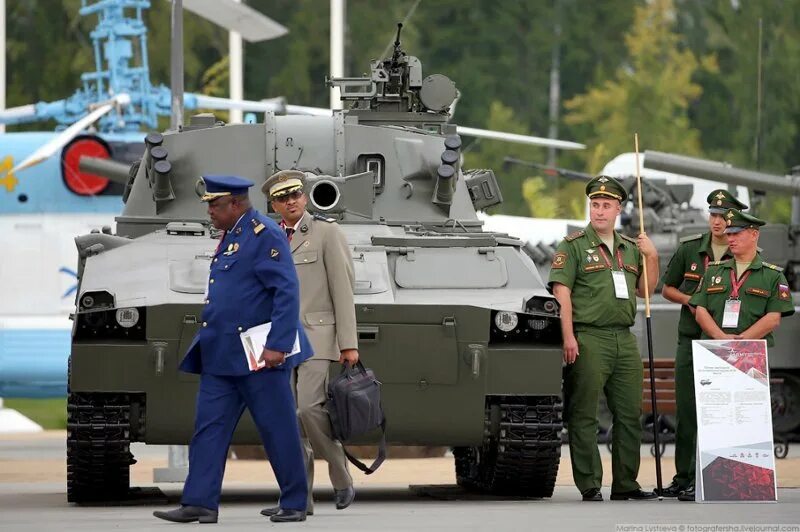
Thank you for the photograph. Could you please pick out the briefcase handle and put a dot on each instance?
(346, 367)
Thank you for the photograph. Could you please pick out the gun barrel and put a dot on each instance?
(112, 170)
(721, 172)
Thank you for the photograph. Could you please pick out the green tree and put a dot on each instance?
(650, 93)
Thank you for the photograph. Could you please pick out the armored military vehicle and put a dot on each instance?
(456, 322)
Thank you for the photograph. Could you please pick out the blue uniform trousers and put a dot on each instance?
(220, 403)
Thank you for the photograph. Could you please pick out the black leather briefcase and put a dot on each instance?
(354, 407)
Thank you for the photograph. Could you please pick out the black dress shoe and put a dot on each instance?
(188, 514)
(344, 498)
(269, 512)
(687, 495)
(673, 490)
(592, 495)
(634, 495)
(288, 516)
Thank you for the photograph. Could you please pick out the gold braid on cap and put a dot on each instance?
(605, 193)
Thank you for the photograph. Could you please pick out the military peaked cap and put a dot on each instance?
(720, 201)
(224, 185)
(739, 221)
(605, 186)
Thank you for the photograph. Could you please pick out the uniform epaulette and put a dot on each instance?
(318, 216)
(689, 238)
(772, 266)
(628, 238)
(572, 236)
(257, 226)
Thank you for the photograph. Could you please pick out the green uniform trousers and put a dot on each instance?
(686, 415)
(608, 361)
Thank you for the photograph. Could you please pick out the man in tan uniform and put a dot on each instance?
(325, 271)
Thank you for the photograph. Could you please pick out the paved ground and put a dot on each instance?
(32, 479)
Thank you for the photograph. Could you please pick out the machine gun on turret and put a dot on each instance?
(780, 242)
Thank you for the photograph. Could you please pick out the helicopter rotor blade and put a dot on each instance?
(18, 115)
(275, 105)
(211, 102)
(521, 139)
(59, 141)
(252, 25)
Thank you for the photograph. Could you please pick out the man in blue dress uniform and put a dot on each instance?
(252, 281)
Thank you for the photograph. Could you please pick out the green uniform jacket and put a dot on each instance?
(580, 265)
(765, 290)
(684, 272)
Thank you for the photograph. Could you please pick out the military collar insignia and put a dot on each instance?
(238, 231)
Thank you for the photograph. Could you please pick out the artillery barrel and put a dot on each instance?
(112, 170)
(721, 172)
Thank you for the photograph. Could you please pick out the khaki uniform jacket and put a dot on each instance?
(325, 270)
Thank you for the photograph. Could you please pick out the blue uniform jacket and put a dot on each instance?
(252, 281)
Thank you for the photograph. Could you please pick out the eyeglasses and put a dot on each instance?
(290, 196)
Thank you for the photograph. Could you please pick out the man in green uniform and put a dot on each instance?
(595, 276)
(743, 297)
(685, 269)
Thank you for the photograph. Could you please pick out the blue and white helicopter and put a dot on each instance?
(47, 198)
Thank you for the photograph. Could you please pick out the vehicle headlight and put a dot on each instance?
(127, 317)
(506, 321)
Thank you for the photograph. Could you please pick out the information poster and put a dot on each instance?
(735, 460)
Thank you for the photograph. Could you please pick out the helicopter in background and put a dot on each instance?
(46, 197)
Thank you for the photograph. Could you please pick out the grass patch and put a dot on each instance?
(49, 413)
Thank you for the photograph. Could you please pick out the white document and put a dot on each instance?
(253, 340)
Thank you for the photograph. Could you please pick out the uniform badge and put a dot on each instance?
(718, 279)
(304, 228)
(720, 195)
(273, 253)
(603, 179)
(693, 267)
(783, 292)
(238, 230)
(559, 260)
(306, 243)
(235, 247)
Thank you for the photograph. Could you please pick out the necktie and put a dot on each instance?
(289, 233)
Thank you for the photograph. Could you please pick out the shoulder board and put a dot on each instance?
(689, 238)
(323, 218)
(572, 236)
(257, 226)
(772, 266)
(628, 238)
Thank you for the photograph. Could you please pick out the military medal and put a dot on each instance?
(235, 247)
